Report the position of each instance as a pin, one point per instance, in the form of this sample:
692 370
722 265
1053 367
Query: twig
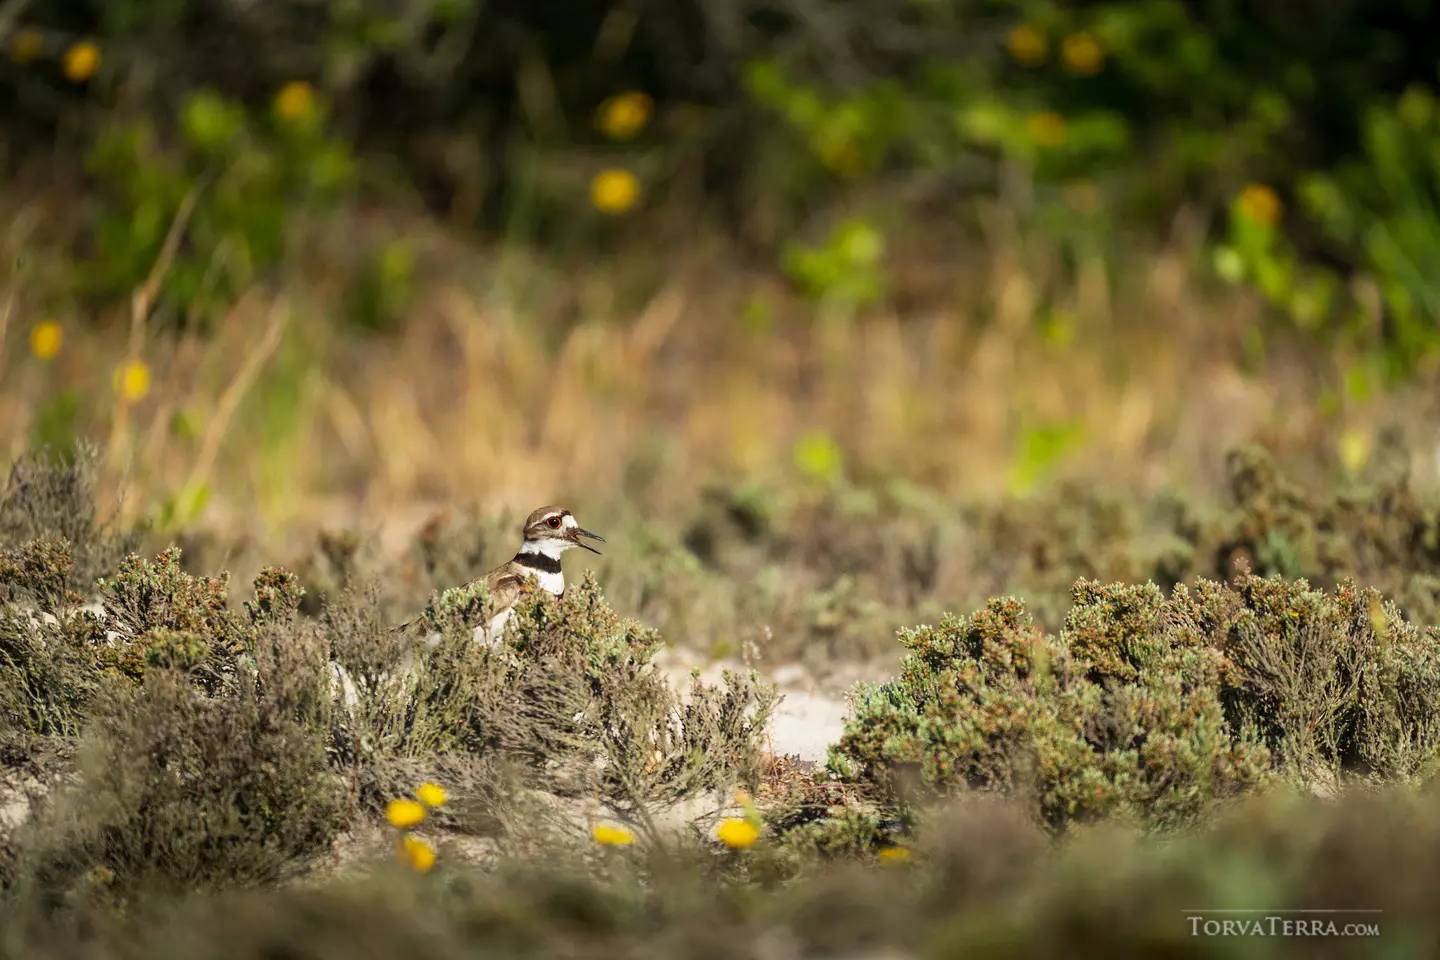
143 299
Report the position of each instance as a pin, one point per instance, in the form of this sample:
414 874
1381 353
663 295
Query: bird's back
502 589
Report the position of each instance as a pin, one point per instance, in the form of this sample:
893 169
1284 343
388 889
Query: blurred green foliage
1142 108
229 185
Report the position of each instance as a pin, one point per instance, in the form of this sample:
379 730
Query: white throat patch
546 548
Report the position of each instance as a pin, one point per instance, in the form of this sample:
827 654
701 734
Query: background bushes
1303 142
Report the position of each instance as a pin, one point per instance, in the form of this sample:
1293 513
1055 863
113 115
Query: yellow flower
737 834
1259 203
1047 129
295 100
612 836
432 795
46 338
614 191
1082 54
894 854
132 380
26 45
418 854
1028 46
623 116
81 61
404 813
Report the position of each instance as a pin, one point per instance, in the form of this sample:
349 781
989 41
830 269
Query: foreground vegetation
1006 328
1009 785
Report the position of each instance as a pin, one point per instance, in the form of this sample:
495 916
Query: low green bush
1154 707
570 694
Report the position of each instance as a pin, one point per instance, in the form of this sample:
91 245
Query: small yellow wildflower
1259 203
431 794
894 854
614 191
418 854
132 380
1028 46
737 834
295 100
46 338
623 116
1047 129
1082 54
81 61
612 836
26 46
404 813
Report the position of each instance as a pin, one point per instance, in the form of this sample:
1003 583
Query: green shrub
1154 707
570 694
54 651
991 702
48 663
50 495
174 792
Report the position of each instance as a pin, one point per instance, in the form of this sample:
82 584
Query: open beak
586 533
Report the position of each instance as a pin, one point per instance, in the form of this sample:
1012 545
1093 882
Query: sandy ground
811 714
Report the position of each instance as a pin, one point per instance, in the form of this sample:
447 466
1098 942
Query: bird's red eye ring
553 523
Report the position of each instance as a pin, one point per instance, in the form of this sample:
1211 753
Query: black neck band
538 561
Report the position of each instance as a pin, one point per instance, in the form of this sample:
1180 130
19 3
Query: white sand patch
806 722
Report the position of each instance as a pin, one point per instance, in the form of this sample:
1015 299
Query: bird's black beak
593 536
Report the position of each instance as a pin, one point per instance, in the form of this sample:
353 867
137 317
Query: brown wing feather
502 589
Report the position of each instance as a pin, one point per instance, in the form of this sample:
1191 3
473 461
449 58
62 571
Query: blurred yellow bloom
1082 54
46 338
26 45
1259 203
418 854
1028 46
624 115
404 813
295 100
81 61
1379 622
895 854
614 191
1354 450
612 836
432 795
132 380
737 834
1047 129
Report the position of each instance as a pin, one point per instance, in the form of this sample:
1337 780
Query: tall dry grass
509 383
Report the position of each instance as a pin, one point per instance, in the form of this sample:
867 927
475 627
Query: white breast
550 582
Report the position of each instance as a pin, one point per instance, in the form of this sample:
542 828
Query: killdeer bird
548 533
